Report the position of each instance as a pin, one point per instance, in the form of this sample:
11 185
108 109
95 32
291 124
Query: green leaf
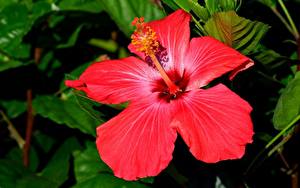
4 3
16 154
124 11
55 19
269 3
108 45
9 64
81 5
177 176
201 12
39 9
68 111
14 24
222 5
13 108
237 32
10 171
58 167
91 171
269 58
184 4
48 63
171 4
14 175
88 163
108 181
43 141
16 20
73 38
35 181
148 180
288 105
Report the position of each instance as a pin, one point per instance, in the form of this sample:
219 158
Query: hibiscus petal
173 32
139 141
208 59
116 81
215 123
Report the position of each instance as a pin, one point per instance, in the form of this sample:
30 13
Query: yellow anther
144 38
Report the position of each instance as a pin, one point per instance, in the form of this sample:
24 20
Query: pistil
145 40
173 89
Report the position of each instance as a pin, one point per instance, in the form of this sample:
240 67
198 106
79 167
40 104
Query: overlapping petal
215 123
173 32
139 141
208 59
116 81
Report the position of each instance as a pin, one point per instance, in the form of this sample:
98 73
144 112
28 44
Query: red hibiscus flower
166 95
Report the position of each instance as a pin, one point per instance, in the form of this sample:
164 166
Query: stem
282 132
172 87
14 134
298 52
29 127
282 19
278 146
283 159
295 180
199 26
295 31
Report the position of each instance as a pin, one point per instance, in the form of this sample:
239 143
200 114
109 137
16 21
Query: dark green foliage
288 106
68 112
91 171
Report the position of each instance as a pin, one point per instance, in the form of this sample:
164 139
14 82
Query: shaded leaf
72 39
58 167
222 5
91 171
171 4
108 45
9 64
107 181
44 141
39 9
237 32
14 24
201 12
67 112
288 105
10 171
48 63
270 59
16 154
13 108
183 4
124 11
35 181
4 3
81 5
88 163
269 3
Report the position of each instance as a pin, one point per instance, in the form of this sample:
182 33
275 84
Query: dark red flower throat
181 81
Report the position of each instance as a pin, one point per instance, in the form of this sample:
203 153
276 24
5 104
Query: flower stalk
29 127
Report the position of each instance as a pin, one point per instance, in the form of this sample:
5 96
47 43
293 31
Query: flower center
144 39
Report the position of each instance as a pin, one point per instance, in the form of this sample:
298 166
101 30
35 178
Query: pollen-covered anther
144 38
